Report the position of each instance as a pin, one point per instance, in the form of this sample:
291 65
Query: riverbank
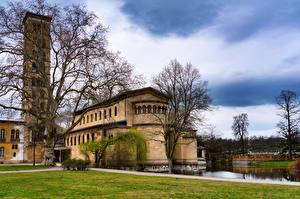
281 164
98 184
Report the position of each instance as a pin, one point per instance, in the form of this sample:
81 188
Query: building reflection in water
254 173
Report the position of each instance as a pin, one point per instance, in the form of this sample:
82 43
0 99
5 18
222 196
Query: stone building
11 141
137 108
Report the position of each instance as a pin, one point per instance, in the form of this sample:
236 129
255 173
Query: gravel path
166 175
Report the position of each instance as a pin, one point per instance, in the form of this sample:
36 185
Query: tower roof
36 16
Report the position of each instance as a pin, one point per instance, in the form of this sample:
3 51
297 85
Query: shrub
73 164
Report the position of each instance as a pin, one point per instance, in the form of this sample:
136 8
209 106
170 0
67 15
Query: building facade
11 141
143 109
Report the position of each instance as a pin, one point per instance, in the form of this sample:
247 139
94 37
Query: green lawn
94 184
283 164
21 167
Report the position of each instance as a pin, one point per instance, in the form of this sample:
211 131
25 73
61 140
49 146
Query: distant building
11 141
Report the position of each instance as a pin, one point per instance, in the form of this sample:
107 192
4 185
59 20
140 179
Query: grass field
21 167
94 184
283 164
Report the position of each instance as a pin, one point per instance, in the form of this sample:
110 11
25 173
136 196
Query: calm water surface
252 173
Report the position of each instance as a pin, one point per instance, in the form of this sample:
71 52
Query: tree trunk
170 163
290 147
48 156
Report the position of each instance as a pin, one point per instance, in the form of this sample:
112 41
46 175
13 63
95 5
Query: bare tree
239 127
289 123
79 64
188 95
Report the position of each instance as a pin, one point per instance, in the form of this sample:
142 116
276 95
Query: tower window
104 114
34 68
74 140
110 112
100 115
87 119
144 109
96 117
92 117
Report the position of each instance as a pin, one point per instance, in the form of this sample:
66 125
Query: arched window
83 138
116 111
2 134
71 141
144 109
100 115
67 142
139 110
96 117
164 110
87 137
159 109
83 120
92 117
74 140
87 119
135 110
109 112
12 134
154 109
78 139
149 108
104 114
93 136
17 134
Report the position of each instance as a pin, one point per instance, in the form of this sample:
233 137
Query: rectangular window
75 140
2 134
100 115
104 114
96 117
87 119
116 111
92 117
83 138
1 152
78 139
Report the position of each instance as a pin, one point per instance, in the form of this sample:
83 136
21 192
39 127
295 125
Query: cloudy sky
247 50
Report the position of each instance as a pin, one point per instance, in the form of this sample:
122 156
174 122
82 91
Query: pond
251 173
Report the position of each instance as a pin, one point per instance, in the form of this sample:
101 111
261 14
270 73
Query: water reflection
252 173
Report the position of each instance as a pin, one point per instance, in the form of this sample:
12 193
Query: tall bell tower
36 78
